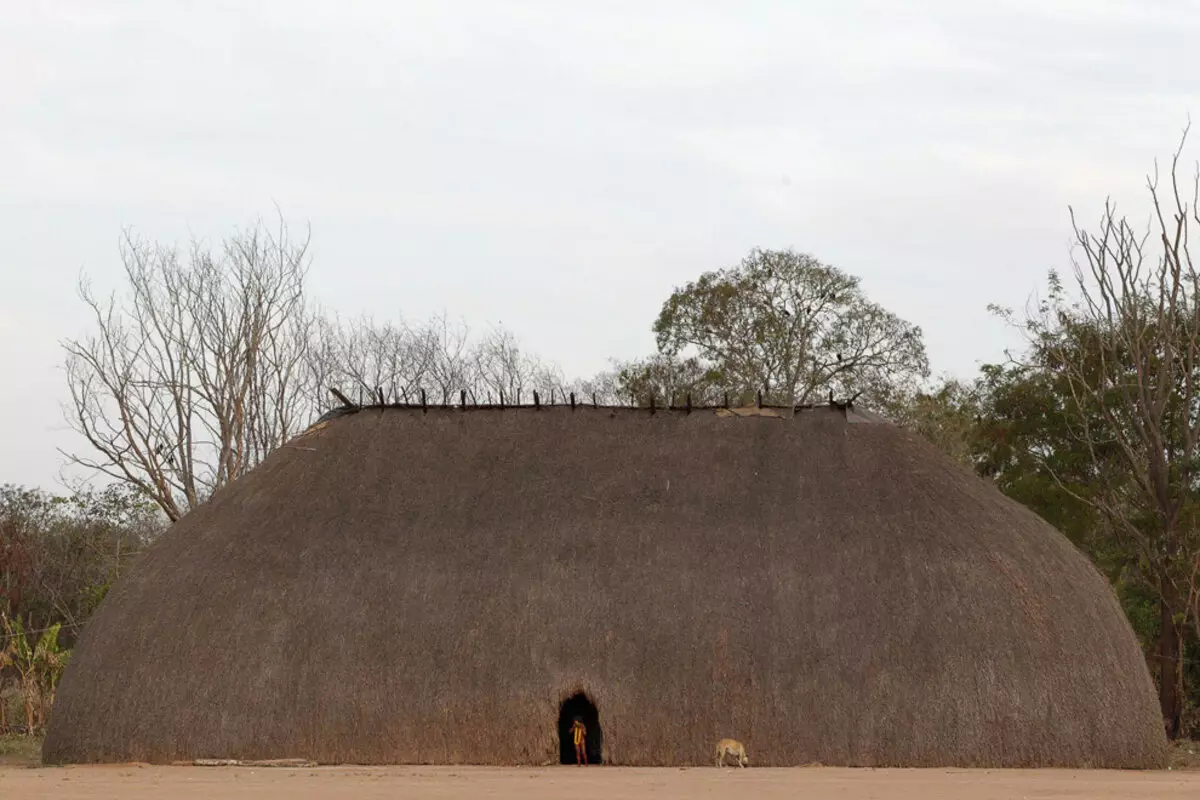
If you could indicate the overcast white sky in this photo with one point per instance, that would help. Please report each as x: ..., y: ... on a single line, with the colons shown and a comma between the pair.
x: 560, y: 166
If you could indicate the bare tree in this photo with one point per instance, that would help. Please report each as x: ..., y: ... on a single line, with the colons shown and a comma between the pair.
x: 604, y: 388
x: 1130, y: 353
x: 363, y: 357
x: 440, y: 357
x: 450, y: 364
x: 503, y: 368
x: 196, y: 372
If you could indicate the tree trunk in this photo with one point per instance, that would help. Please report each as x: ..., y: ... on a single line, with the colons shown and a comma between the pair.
x: 1167, y: 654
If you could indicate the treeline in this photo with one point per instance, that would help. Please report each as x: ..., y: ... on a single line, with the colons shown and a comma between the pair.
x: 59, y: 554
x: 212, y: 357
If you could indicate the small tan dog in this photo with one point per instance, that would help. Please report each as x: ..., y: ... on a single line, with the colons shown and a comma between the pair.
x: 731, y: 747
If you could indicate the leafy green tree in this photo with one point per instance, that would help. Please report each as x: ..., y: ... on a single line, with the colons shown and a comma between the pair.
x: 946, y: 414
x: 1128, y: 356
x: 1016, y: 424
x: 1108, y: 388
x: 1108, y: 399
x: 792, y: 327
x: 59, y: 554
x: 668, y: 380
x: 1023, y: 441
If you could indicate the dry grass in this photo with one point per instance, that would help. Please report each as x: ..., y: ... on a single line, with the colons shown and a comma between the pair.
x: 1185, y: 755
x: 20, y: 751
x: 403, y: 587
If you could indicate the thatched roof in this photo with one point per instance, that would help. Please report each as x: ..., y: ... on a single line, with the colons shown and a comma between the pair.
x: 400, y: 586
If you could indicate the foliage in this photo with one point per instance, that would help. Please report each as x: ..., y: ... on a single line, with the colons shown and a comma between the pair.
x: 39, y: 661
x: 669, y: 380
x: 213, y: 360
x: 1018, y: 424
x: 786, y: 324
x: 1023, y: 442
x: 1126, y: 358
x: 59, y: 556
x: 1057, y: 448
x: 945, y: 414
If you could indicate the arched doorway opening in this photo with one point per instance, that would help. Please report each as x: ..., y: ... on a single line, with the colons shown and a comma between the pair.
x: 578, y: 706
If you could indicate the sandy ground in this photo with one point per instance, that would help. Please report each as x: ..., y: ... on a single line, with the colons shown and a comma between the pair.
x: 196, y: 783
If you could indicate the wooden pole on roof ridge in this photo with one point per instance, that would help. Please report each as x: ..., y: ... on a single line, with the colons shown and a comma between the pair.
x: 572, y: 401
x: 537, y: 403
x: 688, y: 400
x: 462, y: 398
x: 424, y: 406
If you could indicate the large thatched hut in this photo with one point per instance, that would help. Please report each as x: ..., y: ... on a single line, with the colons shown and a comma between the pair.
x: 456, y: 585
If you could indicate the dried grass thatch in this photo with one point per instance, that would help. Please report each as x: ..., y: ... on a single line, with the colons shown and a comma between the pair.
x: 399, y: 586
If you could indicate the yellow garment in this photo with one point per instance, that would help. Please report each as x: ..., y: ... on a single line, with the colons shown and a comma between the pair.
x: 579, y: 733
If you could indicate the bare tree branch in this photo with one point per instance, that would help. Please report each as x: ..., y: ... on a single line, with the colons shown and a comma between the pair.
x: 195, y: 374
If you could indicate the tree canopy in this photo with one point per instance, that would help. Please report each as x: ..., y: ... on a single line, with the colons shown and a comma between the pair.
x: 784, y: 323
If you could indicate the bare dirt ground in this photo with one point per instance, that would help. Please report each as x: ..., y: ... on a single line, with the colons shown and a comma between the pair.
x: 134, y: 782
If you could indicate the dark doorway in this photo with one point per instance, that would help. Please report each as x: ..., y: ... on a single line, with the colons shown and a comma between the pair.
x: 578, y: 706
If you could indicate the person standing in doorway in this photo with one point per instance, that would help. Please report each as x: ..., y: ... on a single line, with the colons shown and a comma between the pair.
x: 579, y: 734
